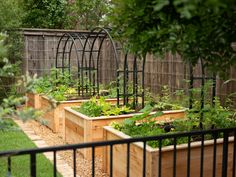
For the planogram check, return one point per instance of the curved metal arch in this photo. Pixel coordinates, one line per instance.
(79, 36)
(135, 94)
(80, 67)
(69, 36)
(85, 67)
(107, 32)
(58, 48)
(88, 64)
(98, 52)
(88, 67)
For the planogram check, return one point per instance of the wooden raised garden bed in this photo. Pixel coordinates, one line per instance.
(152, 157)
(54, 115)
(80, 128)
(33, 100)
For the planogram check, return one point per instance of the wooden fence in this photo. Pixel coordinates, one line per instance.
(40, 54)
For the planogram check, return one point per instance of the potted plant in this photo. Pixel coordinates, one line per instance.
(214, 117)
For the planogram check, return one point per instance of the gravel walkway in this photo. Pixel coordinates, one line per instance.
(83, 166)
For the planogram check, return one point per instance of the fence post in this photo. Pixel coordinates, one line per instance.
(33, 165)
(225, 154)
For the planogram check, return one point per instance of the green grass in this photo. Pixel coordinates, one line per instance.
(12, 140)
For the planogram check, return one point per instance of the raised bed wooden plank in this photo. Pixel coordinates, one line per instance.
(92, 127)
(152, 158)
(33, 100)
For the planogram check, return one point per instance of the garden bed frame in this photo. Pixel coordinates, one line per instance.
(167, 154)
(33, 100)
(54, 112)
(80, 128)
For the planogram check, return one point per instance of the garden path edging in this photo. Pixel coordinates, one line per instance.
(62, 167)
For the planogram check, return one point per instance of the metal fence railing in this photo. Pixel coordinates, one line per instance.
(216, 155)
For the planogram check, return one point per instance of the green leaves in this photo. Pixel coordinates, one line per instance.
(45, 14)
(57, 86)
(99, 107)
(91, 108)
(86, 14)
(28, 114)
(194, 29)
(160, 4)
(11, 14)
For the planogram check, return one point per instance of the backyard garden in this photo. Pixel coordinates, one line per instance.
(118, 88)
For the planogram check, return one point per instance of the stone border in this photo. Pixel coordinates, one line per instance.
(62, 167)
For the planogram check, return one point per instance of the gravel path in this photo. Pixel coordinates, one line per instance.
(83, 166)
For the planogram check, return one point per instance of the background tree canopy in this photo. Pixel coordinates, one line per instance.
(61, 14)
(84, 14)
(194, 29)
(11, 14)
(45, 13)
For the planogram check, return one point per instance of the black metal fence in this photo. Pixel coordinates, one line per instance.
(219, 161)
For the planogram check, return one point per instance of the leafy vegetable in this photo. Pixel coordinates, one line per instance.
(98, 107)
(142, 125)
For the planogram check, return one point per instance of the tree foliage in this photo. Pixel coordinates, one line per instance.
(82, 14)
(194, 29)
(85, 14)
(11, 14)
(45, 13)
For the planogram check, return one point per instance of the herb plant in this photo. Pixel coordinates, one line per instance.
(57, 86)
(164, 101)
(141, 125)
(99, 107)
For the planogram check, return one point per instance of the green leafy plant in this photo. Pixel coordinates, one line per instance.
(8, 110)
(45, 14)
(85, 14)
(141, 125)
(214, 116)
(99, 107)
(56, 86)
(11, 14)
(11, 103)
(164, 101)
(193, 29)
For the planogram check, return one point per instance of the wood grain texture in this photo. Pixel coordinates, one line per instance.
(33, 100)
(152, 158)
(40, 54)
(92, 127)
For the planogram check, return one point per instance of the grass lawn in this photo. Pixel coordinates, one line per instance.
(12, 140)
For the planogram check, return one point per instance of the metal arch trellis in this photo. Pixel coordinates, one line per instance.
(87, 56)
(136, 92)
(132, 72)
(203, 79)
(88, 71)
(88, 59)
(66, 50)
